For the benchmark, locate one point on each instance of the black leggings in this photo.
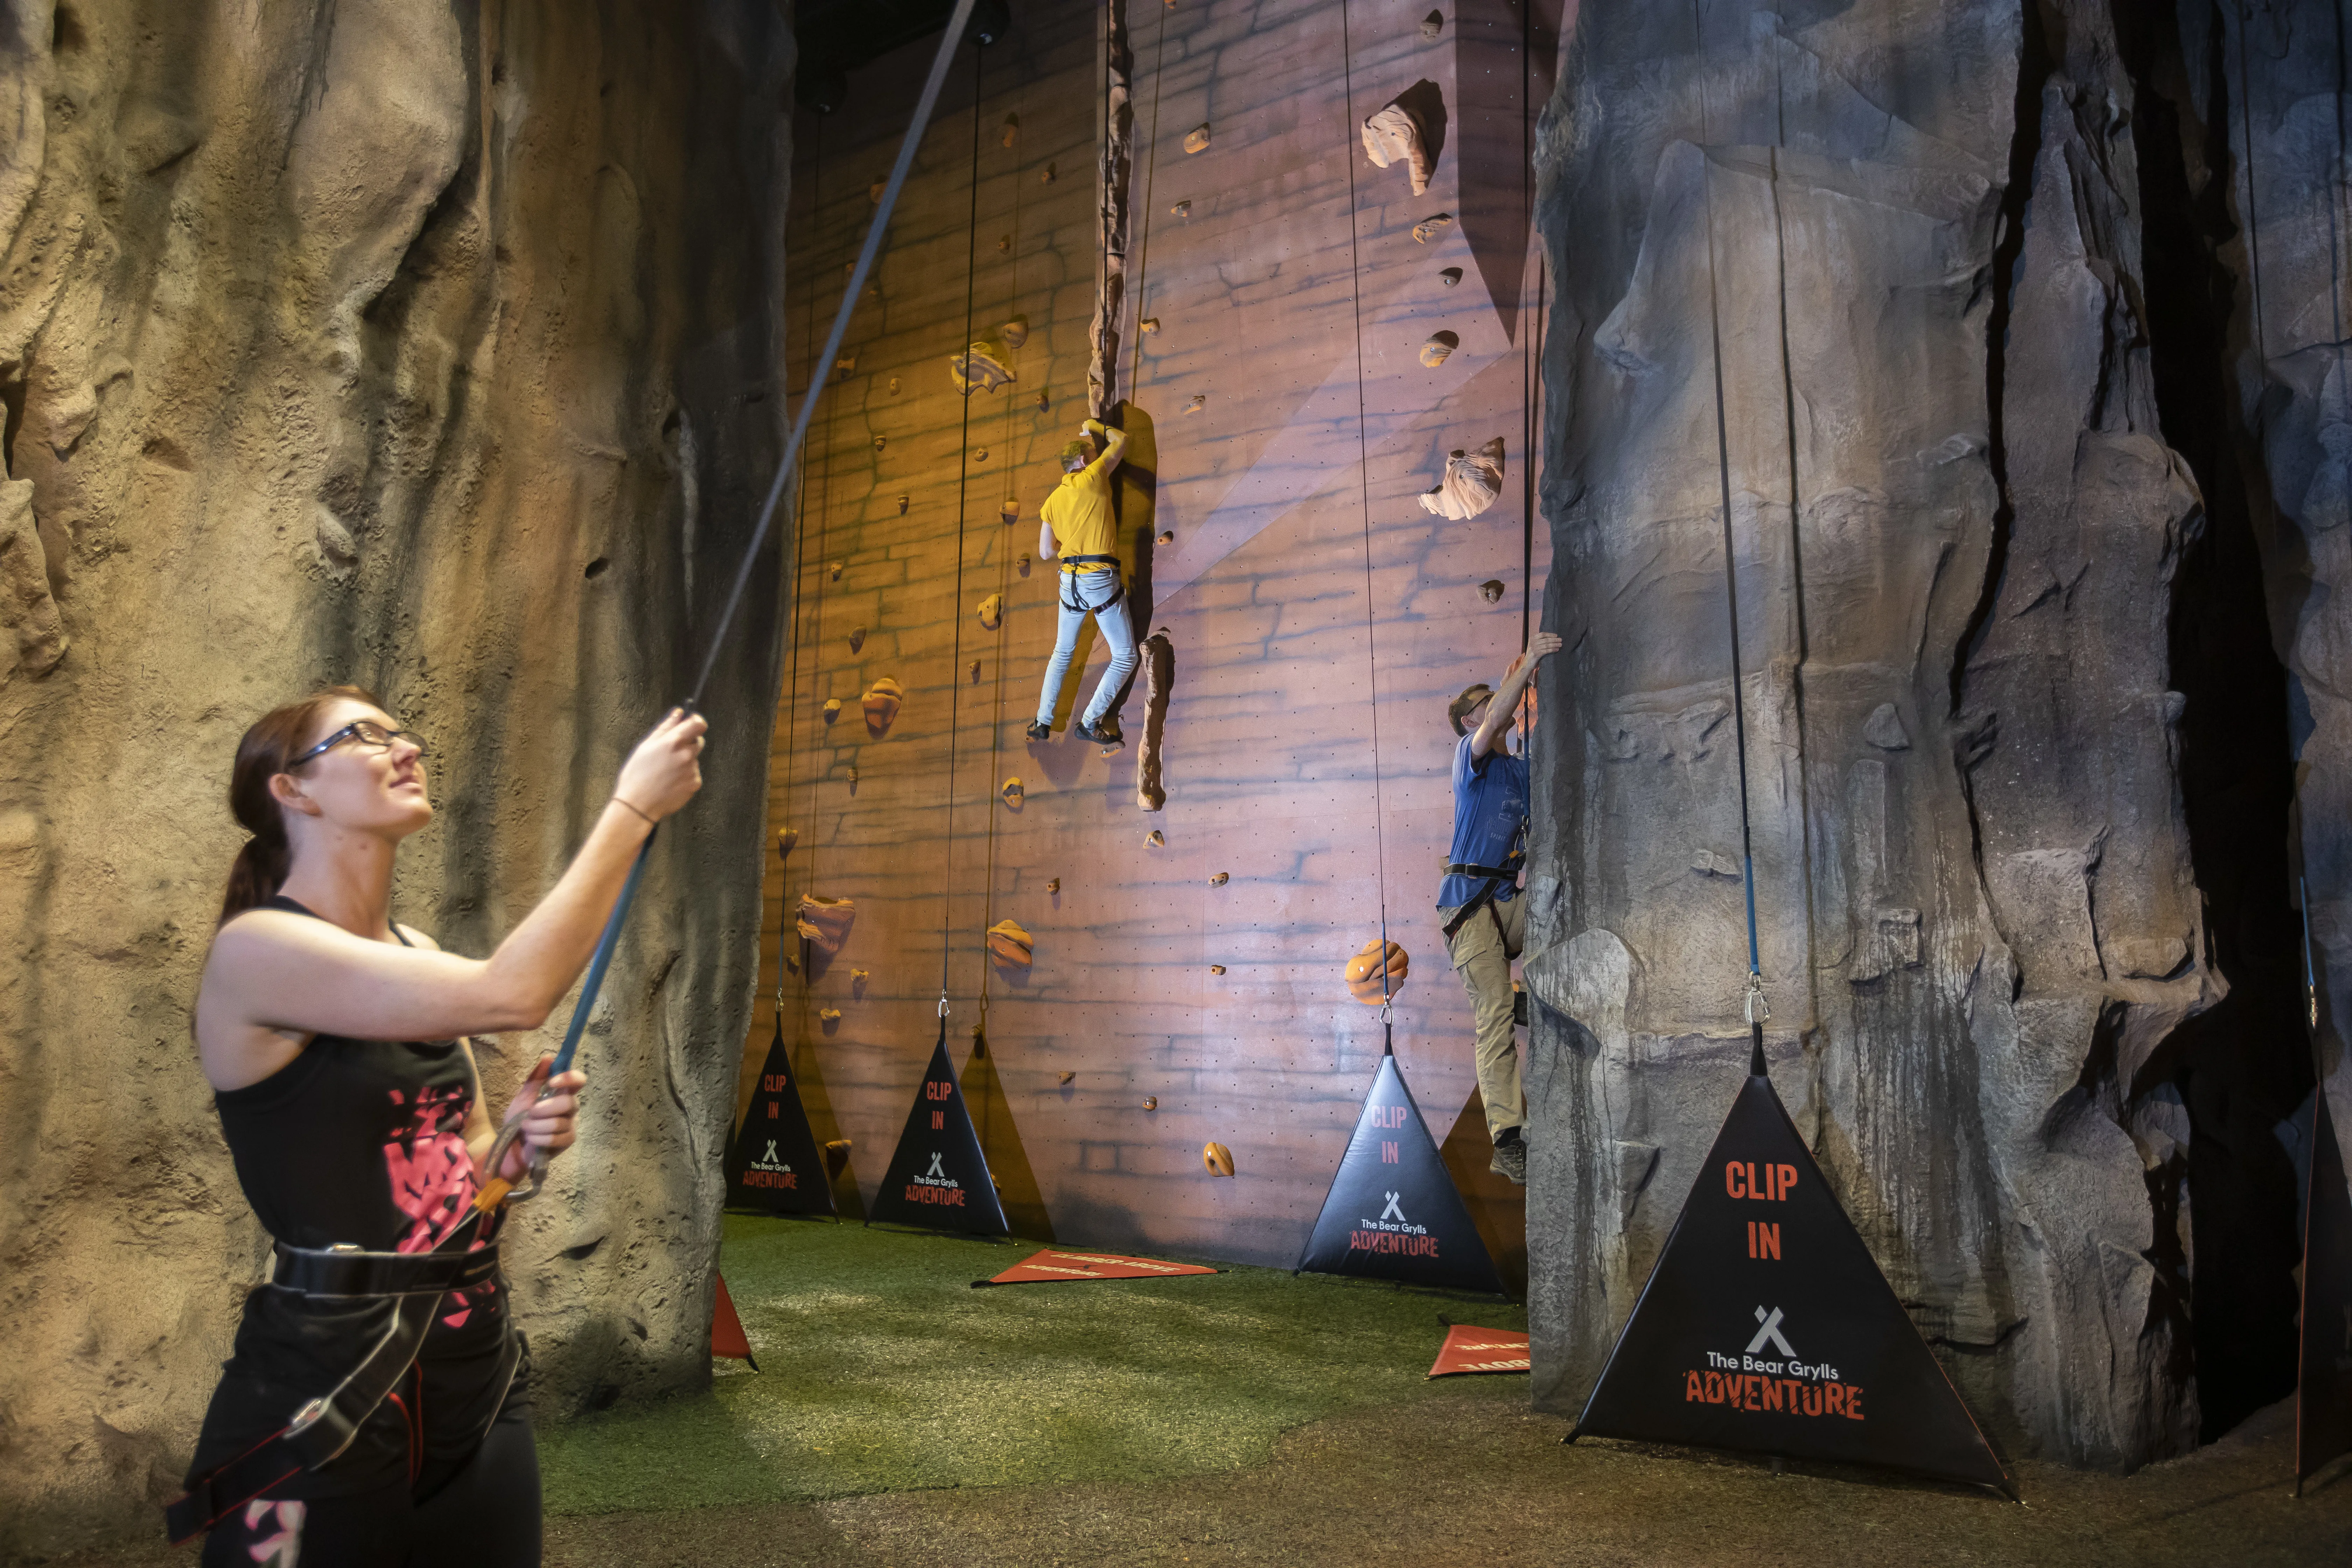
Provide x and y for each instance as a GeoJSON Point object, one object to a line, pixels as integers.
{"type": "Point", "coordinates": [480, 1513]}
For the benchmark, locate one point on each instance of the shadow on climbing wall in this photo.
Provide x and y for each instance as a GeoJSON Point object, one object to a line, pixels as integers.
{"type": "Point", "coordinates": [1497, 1208]}
{"type": "Point", "coordinates": [817, 1101]}
{"type": "Point", "coordinates": [1500, 85]}
{"type": "Point", "coordinates": [991, 1118]}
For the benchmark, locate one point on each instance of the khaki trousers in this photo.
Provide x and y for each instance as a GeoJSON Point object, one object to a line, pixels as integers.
{"type": "Point", "coordinates": [1482, 955]}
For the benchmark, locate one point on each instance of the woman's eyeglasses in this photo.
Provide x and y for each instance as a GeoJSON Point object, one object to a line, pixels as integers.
{"type": "Point", "coordinates": [362, 731]}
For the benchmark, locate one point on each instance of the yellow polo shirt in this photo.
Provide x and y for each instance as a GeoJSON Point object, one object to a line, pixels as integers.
{"type": "Point", "coordinates": [1079, 513]}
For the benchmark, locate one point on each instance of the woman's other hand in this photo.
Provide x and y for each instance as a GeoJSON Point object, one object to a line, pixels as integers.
{"type": "Point", "coordinates": [549, 1124]}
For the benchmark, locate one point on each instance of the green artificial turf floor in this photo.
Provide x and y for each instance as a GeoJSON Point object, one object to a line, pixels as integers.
{"type": "Point", "coordinates": [883, 1371]}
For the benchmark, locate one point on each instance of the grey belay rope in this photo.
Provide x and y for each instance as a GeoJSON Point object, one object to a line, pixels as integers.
{"type": "Point", "coordinates": [1758, 1008]}
{"type": "Point", "coordinates": [495, 1190]}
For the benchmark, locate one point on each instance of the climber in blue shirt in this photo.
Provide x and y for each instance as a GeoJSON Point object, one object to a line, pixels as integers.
{"type": "Point", "coordinates": [1484, 919]}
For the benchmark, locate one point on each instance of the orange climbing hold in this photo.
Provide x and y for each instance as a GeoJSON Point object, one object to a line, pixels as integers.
{"type": "Point", "coordinates": [1364, 971]}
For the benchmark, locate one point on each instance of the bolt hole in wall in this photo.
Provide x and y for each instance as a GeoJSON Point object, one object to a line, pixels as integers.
{"type": "Point", "coordinates": [1247, 524]}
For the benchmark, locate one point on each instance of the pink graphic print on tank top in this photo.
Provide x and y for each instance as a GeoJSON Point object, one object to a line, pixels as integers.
{"type": "Point", "coordinates": [430, 1174]}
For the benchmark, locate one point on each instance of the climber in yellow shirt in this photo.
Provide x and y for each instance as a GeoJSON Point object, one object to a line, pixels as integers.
{"type": "Point", "coordinates": [1080, 529]}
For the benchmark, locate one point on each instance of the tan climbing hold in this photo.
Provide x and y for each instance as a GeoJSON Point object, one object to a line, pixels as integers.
{"type": "Point", "coordinates": [1069, 1077]}
{"type": "Point", "coordinates": [785, 838]}
{"type": "Point", "coordinates": [1044, 403]}
{"type": "Point", "coordinates": [1216, 969]}
{"type": "Point", "coordinates": [1431, 25]}
{"type": "Point", "coordinates": [873, 192]}
{"type": "Point", "coordinates": [846, 363]}
{"type": "Point", "coordinates": [975, 672]}
{"type": "Point", "coordinates": [1003, 243]}
{"type": "Point", "coordinates": [1197, 139]}
{"type": "Point", "coordinates": [1046, 177]}
{"type": "Point", "coordinates": [1449, 276]}
{"type": "Point", "coordinates": [1011, 133]}
{"type": "Point", "coordinates": [825, 922]}
{"type": "Point", "coordinates": [1220, 878]}
{"type": "Point", "coordinates": [1055, 886]}
{"type": "Point", "coordinates": [1023, 563]}
{"type": "Point", "coordinates": [981, 455]}
{"type": "Point", "coordinates": [981, 365]}
{"type": "Point", "coordinates": [904, 503]}
{"type": "Point", "coordinates": [1364, 971]}
{"type": "Point", "coordinates": [1010, 512]}
{"type": "Point", "coordinates": [1472, 481]}
{"type": "Point", "coordinates": [1013, 792]}
{"type": "Point", "coordinates": [1165, 536]}
{"type": "Point", "coordinates": [1395, 135]}
{"type": "Point", "coordinates": [1015, 332]}
{"type": "Point", "coordinates": [1008, 945]}
{"type": "Point", "coordinates": [856, 638]}
{"type": "Point", "coordinates": [852, 771]}
{"type": "Point", "coordinates": [881, 704]}
{"type": "Point", "coordinates": [831, 709]}
{"type": "Point", "coordinates": [837, 1156]}
{"type": "Point", "coordinates": [1491, 589]}
{"type": "Point", "coordinates": [1149, 324]}
{"type": "Point", "coordinates": [1440, 345]}
{"type": "Point", "coordinates": [1430, 227]}
{"type": "Point", "coordinates": [1156, 838]}
{"type": "Point", "coordinates": [836, 570]}
{"type": "Point", "coordinates": [894, 386]}
{"type": "Point", "coordinates": [1150, 1103]}
{"type": "Point", "coordinates": [991, 611]}
{"type": "Point", "coordinates": [828, 1015]}
{"type": "Point", "coordinates": [1181, 209]}
{"type": "Point", "coordinates": [1200, 400]}
{"type": "Point", "coordinates": [1218, 1159]}
{"type": "Point", "coordinates": [880, 441]}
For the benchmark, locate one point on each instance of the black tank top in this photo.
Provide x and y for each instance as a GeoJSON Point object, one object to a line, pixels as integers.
{"type": "Point", "coordinates": [360, 1142]}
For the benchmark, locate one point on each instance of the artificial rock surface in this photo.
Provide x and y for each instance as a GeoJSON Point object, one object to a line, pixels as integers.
{"type": "Point", "coordinates": [1963, 546]}
{"type": "Point", "coordinates": [426, 347]}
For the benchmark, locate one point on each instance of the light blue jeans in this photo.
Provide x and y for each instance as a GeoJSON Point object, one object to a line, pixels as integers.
{"type": "Point", "coordinates": [1092, 592]}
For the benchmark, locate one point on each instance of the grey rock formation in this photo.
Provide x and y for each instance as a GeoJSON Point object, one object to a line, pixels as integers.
{"type": "Point", "coordinates": [428, 347]}
{"type": "Point", "coordinates": [2270, 82]}
{"type": "Point", "coordinates": [1958, 532]}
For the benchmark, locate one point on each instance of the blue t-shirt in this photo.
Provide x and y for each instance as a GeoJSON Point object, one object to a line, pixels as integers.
{"type": "Point", "coordinates": [1490, 805]}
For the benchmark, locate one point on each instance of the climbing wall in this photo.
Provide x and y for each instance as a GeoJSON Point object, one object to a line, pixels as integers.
{"type": "Point", "coordinates": [1317, 618]}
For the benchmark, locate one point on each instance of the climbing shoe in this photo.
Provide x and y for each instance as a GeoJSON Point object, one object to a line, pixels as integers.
{"type": "Point", "coordinates": [1103, 733]}
{"type": "Point", "coordinates": [1040, 732]}
{"type": "Point", "coordinates": [1511, 1161]}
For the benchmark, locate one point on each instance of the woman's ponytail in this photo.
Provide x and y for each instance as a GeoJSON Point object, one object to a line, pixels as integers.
{"type": "Point", "coordinates": [277, 738]}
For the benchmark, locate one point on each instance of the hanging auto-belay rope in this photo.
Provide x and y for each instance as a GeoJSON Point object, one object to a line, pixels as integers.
{"type": "Point", "coordinates": [496, 1191]}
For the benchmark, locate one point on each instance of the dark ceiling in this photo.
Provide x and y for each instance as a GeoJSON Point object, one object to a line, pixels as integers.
{"type": "Point", "coordinates": [836, 36]}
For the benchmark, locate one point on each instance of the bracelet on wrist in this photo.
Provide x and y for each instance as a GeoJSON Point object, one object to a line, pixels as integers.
{"type": "Point", "coordinates": [649, 821]}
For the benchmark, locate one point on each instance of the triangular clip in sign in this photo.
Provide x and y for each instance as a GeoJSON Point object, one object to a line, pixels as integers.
{"type": "Point", "coordinates": [1767, 1327]}
{"type": "Point", "coordinates": [939, 1177]}
{"type": "Point", "coordinates": [2323, 1394]}
{"type": "Point", "coordinates": [774, 1165]}
{"type": "Point", "coordinates": [1393, 1212]}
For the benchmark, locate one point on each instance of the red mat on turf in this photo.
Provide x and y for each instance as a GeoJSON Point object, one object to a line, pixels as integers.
{"type": "Point", "coordinates": [1480, 1349]}
{"type": "Point", "coordinates": [1052, 1265]}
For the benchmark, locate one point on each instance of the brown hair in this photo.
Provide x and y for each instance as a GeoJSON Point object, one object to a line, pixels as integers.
{"type": "Point", "coordinates": [275, 739]}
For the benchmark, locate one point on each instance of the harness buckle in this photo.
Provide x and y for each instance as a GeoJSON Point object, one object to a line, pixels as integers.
{"type": "Point", "coordinates": [307, 1416]}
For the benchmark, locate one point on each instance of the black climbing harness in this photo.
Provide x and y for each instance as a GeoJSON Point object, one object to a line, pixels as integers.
{"type": "Point", "coordinates": [407, 1289]}
{"type": "Point", "coordinates": [1069, 598]}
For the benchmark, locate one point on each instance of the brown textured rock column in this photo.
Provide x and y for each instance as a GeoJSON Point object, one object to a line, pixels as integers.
{"type": "Point", "coordinates": [1958, 528]}
{"type": "Point", "coordinates": [428, 347]}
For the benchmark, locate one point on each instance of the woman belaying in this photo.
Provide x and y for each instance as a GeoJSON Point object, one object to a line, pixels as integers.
{"type": "Point", "coordinates": [1079, 526]}
{"type": "Point", "coordinates": [374, 1410]}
